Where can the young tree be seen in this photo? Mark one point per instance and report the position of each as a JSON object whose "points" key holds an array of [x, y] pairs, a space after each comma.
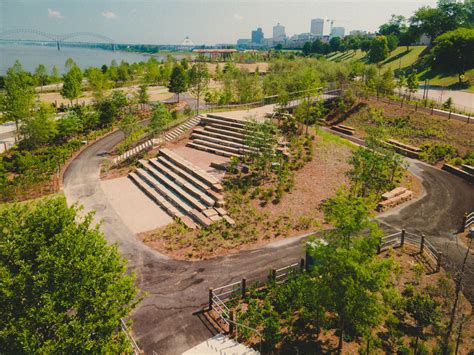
{"points": [[72, 85], [64, 290], [376, 169], [412, 83], [41, 75], [142, 95], [19, 97], [378, 49], [198, 81], [55, 76], [351, 275], [39, 129], [158, 120], [178, 82], [128, 125], [98, 83]]}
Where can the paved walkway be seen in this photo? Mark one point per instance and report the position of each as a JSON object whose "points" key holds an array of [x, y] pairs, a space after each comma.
{"points": [[166, 320], [461, 99]]}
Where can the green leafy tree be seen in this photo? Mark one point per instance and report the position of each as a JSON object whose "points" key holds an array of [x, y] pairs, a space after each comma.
{"points": [[454, 51], [72, 84], [20, 94], [198, 81], [111, 108], [98, 82], [178, 81], [142, 95], [392, 42], [63, 289], [41, 75], [69, 125], [424, 310], [412, 83], [39, 129], [335, 44], [352, 277], [55, 76], [386, 83], [159, 119], [128, 125], [376, 169], [378, 49]]}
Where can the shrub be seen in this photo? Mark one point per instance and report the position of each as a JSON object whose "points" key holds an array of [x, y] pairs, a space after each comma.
{"points": [[435, 152]]}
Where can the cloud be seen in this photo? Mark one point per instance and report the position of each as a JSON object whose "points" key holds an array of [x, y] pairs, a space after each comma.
{"points": [[109, 15], [54, 14], [238, 17]]}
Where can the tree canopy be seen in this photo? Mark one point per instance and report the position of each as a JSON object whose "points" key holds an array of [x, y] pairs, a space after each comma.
{"points": [[62, 288], [178, 82]]}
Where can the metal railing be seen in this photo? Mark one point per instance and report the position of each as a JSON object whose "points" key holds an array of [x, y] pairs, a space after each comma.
{"points": [[468, 220], [133, 343]]}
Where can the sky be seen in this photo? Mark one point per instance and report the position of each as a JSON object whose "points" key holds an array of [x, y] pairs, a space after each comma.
{"points": [[204, 21]]}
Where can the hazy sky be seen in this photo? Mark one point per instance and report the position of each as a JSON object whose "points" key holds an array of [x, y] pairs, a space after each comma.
{"points": [[204, 21]]}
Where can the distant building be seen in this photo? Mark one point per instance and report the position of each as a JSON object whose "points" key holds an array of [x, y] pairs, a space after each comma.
{"points": [[257, 36], [338, 32], [279, 33], [244, 43], [358, 33], [187, 42], [320, 27]]}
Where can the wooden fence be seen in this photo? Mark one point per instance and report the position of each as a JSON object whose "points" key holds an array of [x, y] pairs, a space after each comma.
{"points": [[399, 239]]}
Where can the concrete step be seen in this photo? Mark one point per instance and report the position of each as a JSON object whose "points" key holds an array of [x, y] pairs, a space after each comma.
{"points": [[226, 119], [193, 144], [155, 196], [224, 135], [221, 141], [222, 131], [221, 344], [206, 141], [226, 128], [177, 190], [209, 120], [190, 168], [165, 192], [183, 183]]}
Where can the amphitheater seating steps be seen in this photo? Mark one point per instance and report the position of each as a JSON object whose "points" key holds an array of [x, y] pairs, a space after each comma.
{"points": [[183, 190]]}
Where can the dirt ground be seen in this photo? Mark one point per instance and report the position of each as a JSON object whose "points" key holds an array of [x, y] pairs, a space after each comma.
{"points": [[156, 93], [415, 127], [251, 67]]}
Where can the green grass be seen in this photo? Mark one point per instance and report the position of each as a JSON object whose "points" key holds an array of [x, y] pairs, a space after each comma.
{"points": [[328, 138], [401, 58]]}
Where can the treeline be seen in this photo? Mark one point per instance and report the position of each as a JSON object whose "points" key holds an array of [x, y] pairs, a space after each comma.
{"points": [[448, 27]]}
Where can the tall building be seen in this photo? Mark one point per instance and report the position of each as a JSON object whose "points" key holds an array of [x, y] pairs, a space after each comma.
{"points": [[338, 32], [279, 33], [319, 27], [257, 36]]}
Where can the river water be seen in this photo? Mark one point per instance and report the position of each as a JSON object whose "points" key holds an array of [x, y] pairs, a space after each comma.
{"points": [[31, 55]]}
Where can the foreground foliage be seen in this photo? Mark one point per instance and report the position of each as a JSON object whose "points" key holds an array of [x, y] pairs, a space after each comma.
{"points": [[62, 288]]}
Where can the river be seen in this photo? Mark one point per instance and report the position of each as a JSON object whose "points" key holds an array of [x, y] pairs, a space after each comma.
{"points": [[31, 55]]}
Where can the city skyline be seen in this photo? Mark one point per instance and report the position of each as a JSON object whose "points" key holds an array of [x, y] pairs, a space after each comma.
{"points": [[204, 22]]}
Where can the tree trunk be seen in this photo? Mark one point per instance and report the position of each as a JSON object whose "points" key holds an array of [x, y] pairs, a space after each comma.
{"points": [[341, 336], [197, 104], [178, 97]]}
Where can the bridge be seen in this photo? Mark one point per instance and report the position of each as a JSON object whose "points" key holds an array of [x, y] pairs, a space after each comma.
{"points": [[11, 36]]}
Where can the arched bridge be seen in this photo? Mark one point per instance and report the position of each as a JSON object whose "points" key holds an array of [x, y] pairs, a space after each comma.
{"points": [[14, 34]]}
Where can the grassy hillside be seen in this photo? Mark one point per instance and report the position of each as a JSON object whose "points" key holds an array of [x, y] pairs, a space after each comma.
{"points": [[400, 58]]}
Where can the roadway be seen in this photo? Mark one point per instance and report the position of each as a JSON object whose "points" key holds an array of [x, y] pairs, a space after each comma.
{"points": [[166, 320]]}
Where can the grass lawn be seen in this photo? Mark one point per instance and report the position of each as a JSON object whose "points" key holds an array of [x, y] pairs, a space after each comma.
{"points": [[401, 58]]}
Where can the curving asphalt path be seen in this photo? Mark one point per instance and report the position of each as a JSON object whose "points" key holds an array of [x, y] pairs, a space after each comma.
{"points": [[166, 320]]}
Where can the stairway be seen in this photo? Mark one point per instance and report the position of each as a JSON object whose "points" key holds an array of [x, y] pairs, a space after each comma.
{"points": [[221, 344], [220, 135], [183, 190], [178, 131]]}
